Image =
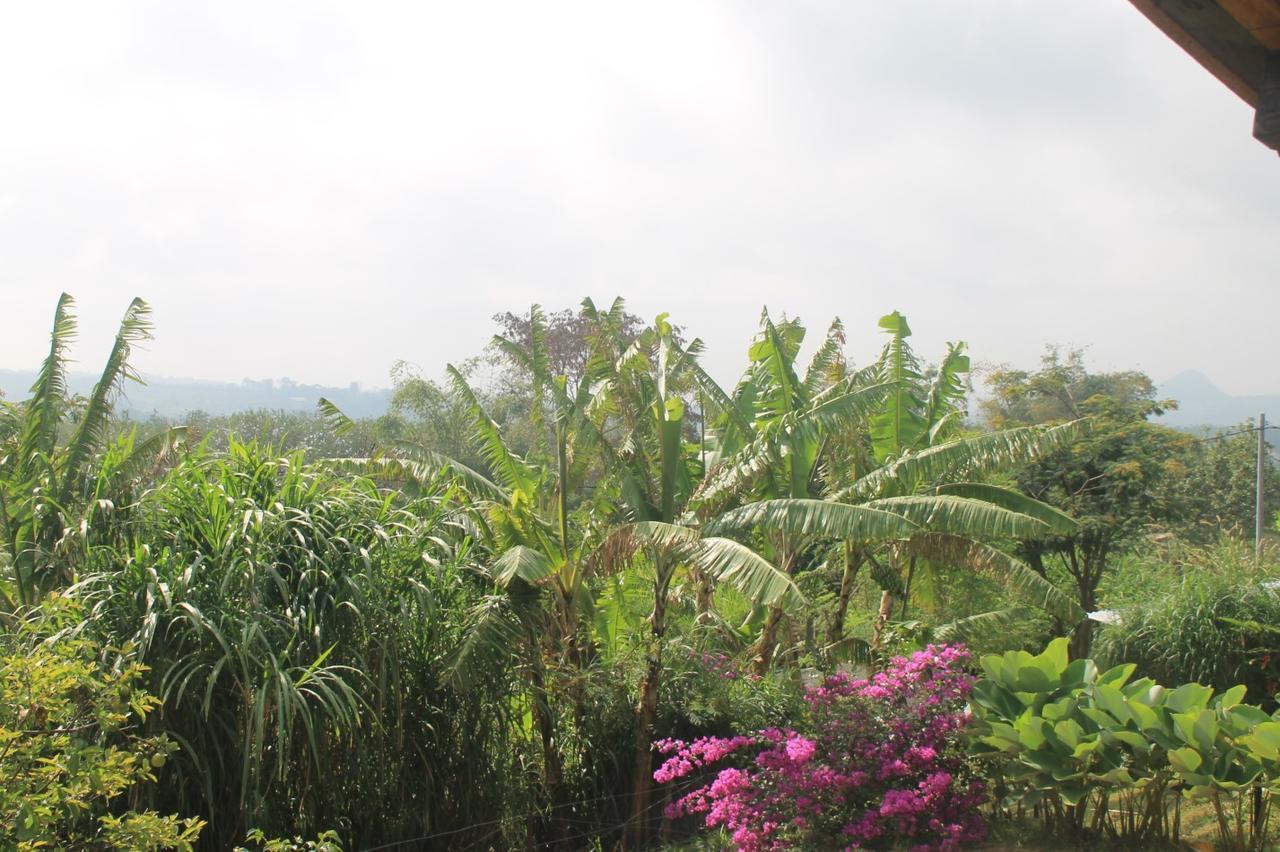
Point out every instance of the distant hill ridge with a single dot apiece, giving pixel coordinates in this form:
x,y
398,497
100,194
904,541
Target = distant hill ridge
x,y
1202,403
168,397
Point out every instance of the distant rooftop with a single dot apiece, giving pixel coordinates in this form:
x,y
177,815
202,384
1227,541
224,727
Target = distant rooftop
x,y
1238,41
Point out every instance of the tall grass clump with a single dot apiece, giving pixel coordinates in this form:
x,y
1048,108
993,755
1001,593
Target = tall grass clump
x,y
298,629
1202,614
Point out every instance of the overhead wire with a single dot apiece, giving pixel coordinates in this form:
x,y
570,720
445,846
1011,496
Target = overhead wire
x,y
1253,430
499,822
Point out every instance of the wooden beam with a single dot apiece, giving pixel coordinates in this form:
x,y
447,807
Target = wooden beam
x,y
1266,121
1214,38
1260,17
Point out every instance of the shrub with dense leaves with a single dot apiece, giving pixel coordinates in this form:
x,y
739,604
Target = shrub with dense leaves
x,y
70,745
1095,752
874,763
1203,614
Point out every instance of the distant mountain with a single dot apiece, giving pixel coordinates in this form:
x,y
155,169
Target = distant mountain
x,y
1202,403
168,397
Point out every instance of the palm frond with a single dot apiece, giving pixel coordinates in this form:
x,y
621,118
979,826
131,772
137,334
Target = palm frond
x,y
335,418
747,571
421,470
533,358
48,392
95,420
818,517
1015,501
980,627
963,516
851,649
966,457
725,560
523,563
776,356
493,629
901,423
828,362
515,474
1013,574
947,390
723,402
746,465
155,452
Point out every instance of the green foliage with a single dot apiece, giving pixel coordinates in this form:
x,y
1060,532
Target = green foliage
x,y
1098,752
1110,480
325,841
1214,487
471,618
296,626
50,486
917,412
1204,614
70,747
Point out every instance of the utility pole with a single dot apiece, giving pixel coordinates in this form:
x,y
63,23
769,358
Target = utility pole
x,y
1260,502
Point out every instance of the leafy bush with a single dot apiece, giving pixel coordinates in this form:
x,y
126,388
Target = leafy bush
x,y
875,763
1198,614
69,751
298,626
712,692
326,841
1098,753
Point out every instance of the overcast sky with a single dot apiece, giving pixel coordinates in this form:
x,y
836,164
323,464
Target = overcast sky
x,y
316,189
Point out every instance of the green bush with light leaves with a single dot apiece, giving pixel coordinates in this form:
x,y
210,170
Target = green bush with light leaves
x,y
69,751
1095,753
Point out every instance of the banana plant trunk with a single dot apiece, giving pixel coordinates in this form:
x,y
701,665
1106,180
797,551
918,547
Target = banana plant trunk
x,y
704,597
769,632
647,711
768,639
852,562
886,601
882,619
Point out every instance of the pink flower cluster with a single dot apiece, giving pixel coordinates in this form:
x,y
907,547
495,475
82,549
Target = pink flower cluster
x,y
878,763
694,755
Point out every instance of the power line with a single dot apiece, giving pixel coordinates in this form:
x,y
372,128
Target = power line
x,y
499,822
1252,430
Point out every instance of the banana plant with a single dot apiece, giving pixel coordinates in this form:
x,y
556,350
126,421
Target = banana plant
x,y
531,515
641,415
920,416
918,500
915,415
52,494
919,412
779,434
522,508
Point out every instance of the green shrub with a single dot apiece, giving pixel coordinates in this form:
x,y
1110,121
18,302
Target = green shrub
x,y
298,627
69,746
1098,753
1198,614
710,691
326,841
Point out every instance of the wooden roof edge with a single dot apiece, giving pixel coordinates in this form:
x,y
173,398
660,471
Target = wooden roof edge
x,y
1229,76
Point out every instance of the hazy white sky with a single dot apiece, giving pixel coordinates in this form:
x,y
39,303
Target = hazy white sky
x,y
314,189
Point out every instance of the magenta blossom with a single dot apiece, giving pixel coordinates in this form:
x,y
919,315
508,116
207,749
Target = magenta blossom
x,y
877,762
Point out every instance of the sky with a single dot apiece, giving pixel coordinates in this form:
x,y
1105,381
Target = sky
x,y
315,190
